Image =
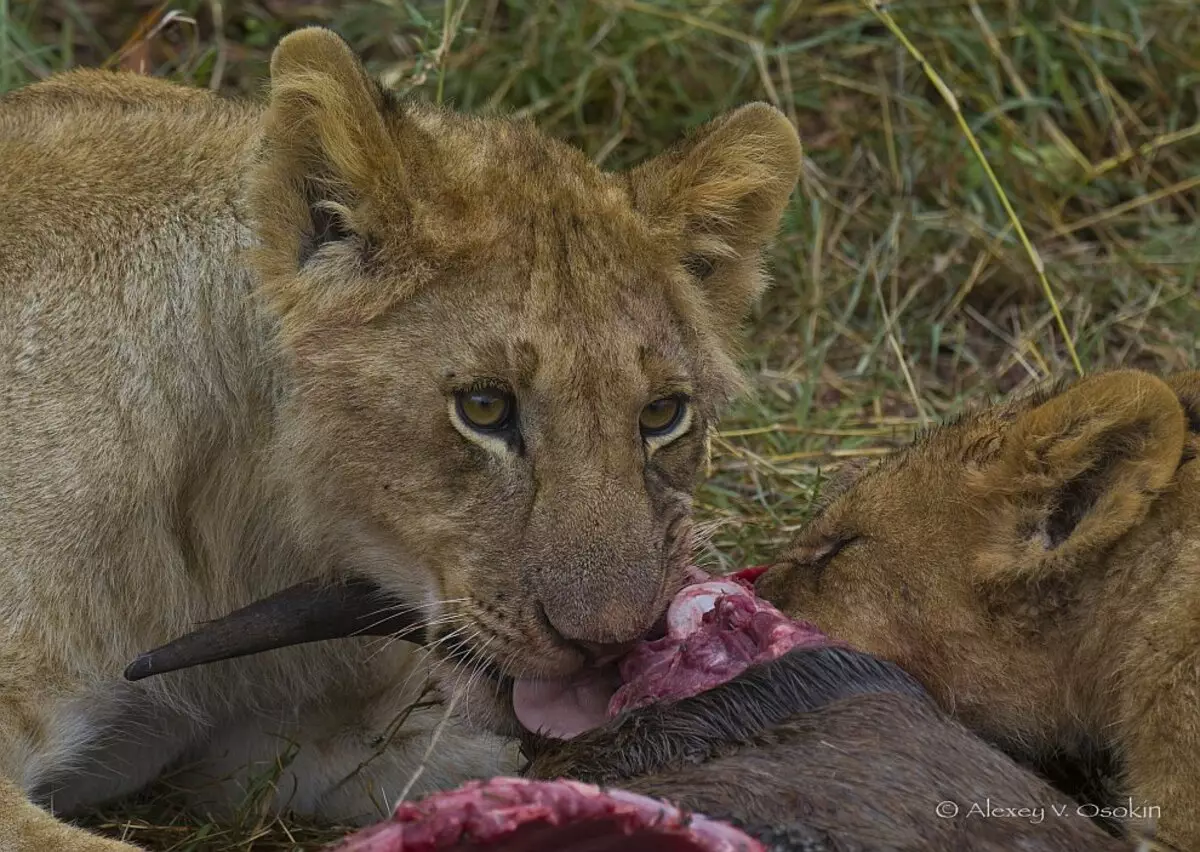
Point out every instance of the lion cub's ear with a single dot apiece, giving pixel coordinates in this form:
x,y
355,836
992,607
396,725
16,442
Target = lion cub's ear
x,y
725,189
1080,470
326,158
1187,388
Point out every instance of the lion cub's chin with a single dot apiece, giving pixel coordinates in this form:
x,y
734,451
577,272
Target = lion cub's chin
x,y
481,700
561,706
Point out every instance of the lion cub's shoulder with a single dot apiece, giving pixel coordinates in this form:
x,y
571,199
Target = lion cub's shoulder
x,y
87,154
84,87
109,100
94,114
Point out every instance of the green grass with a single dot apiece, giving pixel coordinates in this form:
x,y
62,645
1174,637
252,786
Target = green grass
x,y
904,289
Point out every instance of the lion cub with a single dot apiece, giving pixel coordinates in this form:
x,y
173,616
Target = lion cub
x,y
338,334
1037,566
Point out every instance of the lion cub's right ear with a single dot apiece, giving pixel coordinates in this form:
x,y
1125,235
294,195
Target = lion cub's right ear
x,y
327,160
724,189
1077,472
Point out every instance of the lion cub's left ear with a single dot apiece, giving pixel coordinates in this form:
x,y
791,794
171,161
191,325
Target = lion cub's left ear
x,y
723,190
1080,470
327,173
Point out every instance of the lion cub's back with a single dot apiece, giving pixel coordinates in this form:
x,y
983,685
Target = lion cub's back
x,y
91,155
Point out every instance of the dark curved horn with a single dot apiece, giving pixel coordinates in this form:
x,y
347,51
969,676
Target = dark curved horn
x,y
311,611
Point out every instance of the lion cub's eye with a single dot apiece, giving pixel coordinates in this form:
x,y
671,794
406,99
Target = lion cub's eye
x,y
485,409
662,415
814,559
698,266
820,557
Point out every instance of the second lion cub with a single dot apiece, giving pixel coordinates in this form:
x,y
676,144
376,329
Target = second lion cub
x,y
1037,566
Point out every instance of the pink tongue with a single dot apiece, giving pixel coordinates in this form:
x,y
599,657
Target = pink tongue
x,y
566,708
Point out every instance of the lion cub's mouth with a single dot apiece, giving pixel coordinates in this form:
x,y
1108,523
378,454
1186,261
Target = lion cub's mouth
x,y
712,631
568,706
559,706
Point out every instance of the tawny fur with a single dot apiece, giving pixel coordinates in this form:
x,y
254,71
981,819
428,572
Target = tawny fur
x,y
230,335
1037,565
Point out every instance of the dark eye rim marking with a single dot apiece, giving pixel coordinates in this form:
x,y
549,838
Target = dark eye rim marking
x,y
504,424
681,400
827,552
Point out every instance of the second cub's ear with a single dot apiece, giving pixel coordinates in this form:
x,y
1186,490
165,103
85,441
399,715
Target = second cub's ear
x,y
725,189
1187,388
326,149
1081,469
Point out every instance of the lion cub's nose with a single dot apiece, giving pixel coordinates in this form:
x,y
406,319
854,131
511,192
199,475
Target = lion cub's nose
x,y
601,582
596,623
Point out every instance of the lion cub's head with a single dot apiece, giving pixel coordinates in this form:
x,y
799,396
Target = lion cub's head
x,y
504,360
978,557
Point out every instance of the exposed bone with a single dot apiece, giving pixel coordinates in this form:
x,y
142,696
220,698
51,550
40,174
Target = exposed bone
x,y
311,611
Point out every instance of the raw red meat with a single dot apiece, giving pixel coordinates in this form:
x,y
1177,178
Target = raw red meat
x,y
516,815
750,575
715,629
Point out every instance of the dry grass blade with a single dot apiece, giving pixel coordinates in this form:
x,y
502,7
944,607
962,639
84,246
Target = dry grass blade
x,y
951,101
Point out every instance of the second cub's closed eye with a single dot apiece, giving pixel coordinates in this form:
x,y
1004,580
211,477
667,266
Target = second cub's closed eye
x,y
818,557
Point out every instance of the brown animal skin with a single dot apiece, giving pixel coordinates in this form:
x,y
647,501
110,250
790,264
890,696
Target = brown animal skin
x,y
234,343
827,750
1036,565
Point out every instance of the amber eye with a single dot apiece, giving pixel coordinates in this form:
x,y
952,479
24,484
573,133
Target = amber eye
x,y
485,409
662,415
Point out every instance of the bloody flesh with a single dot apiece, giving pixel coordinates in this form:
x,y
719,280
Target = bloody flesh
x,y
514,815
715,629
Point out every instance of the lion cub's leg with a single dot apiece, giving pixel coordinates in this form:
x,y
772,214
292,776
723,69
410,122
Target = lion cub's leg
x,y
349,771
347,754
24,827
44,728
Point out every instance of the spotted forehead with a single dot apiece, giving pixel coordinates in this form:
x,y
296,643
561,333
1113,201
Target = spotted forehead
x,y
622,355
